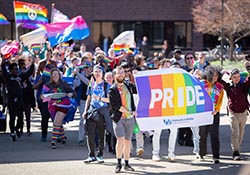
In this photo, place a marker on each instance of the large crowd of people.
(103, 92)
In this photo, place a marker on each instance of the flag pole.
(52, 12)
(15, 21)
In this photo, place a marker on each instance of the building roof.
(114, 10)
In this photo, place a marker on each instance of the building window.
(158, 32)
(124, 26)
(183, 34)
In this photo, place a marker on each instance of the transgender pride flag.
(60, 32)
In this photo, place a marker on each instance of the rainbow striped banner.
(171, 98)
(30, 15)
(3, 19)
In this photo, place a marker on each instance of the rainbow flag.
(171, 98)
(36, 46)
(108, 59)
(30, 15)
(120, 49)
(60, 32)
(3, 19)
(65, 45)
(46, 72)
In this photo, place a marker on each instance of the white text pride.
(194, 94)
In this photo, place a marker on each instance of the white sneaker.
(171, 156)
(140, 152)
(197, 156)
(156, 157)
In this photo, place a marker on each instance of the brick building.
(157, 19)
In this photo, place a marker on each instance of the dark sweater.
(237, 96)
(14, 84)
(116, 102)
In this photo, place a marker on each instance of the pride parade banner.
(171, 98)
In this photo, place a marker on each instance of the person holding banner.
(58, 106)
(171, 140)
(215, 91)
(122, 113)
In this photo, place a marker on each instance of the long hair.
(53, 70)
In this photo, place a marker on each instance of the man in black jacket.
(122, 113)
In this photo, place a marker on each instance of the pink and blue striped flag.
(60, 32)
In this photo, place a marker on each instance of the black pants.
(110, 140)
(27, 113)
(91, 128)
(15, 110)
(185, 136)
(43, 107)
(214, 137)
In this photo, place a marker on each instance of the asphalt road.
(29, 156)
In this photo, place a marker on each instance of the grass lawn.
(229, 65)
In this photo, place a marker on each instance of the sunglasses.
(120, 72)
(126, 71)
(187, 58)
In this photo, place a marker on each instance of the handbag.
(93, 114)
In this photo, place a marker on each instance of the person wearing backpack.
(97, 115)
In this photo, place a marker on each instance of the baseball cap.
(98, 67)
(247, 65)
(235, 71)
(177, 51)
